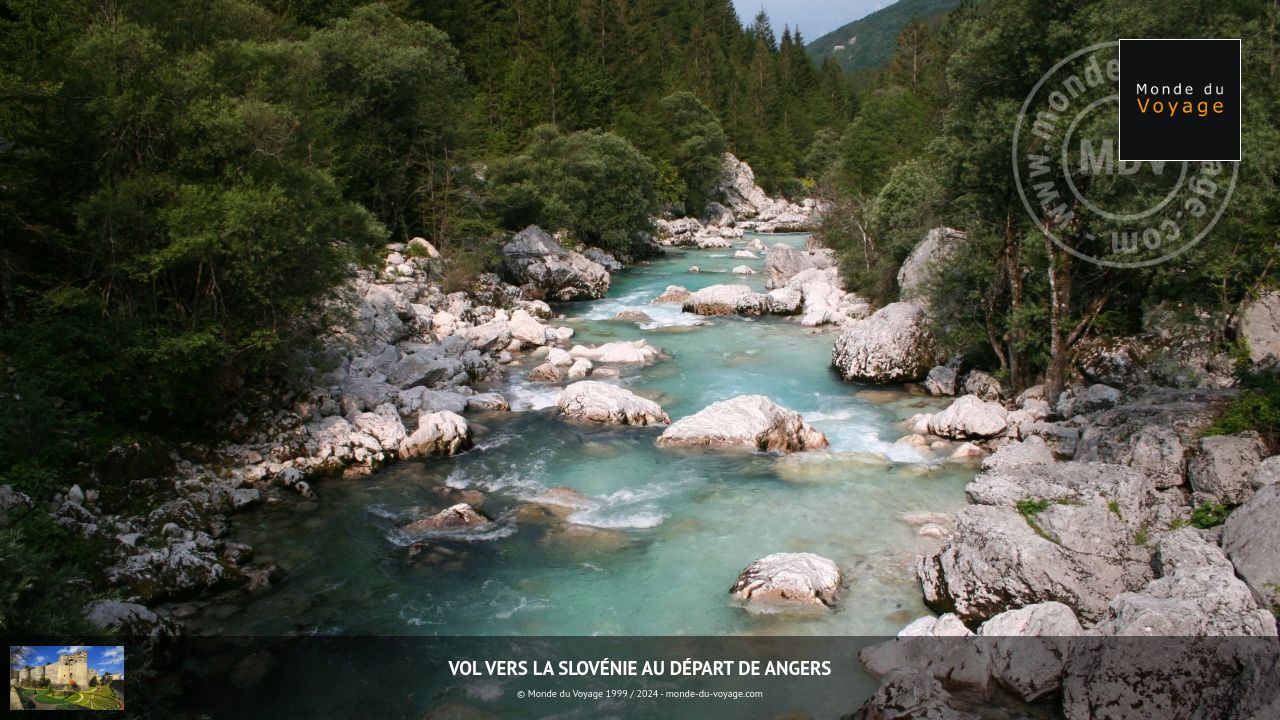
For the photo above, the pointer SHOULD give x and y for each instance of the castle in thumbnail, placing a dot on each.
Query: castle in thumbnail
(68, 670)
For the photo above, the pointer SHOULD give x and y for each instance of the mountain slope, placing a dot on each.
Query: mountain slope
(868, 42)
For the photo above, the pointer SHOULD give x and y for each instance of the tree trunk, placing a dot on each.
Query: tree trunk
(1059, 312)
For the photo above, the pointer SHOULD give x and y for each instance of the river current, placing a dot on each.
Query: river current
(665, 531)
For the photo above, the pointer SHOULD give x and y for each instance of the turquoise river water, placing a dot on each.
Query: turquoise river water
(667, 531)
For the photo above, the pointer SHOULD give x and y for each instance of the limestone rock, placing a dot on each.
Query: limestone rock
(783, 580)
(969, 417)
(909, 694)
(984, 386)
(1221, 468)
(748, 421)
(893, 345)
(605, 403)
(785, 301)
(546, 372)
(1082, 401)
(673, 294)
(941, 381)
(1196, 594)
(1032, 451)
(1260, 326)
(783, 262)
(129, 620)
(727, 300)
(457, 517)
(635, 352)
(743, 270)
(633, 315)
(438, 433)
(1251, 539)
(580, 368)
(533, 257)
(914, 275)
(995, 561)
(384, 425)
(1041, 619)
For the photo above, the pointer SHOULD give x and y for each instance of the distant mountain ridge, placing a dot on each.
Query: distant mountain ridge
(868, 42)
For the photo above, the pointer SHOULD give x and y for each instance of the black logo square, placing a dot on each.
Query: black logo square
(1179, 100)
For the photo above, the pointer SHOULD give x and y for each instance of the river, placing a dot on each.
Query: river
(667, 530)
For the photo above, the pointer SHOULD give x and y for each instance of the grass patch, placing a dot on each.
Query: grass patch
(1029, 508)
(1141, 535)
(1032, 507)
(1114, 507)
(1210, 515)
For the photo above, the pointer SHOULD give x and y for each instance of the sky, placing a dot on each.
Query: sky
(814, 17)
(103, 658)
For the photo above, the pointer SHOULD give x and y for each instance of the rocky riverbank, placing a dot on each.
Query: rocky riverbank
(401, 372)
(1097, 516)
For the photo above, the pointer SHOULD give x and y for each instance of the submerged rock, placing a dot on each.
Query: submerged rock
(893, 345)
(633, 315)
(618, 353)
(748, 421)
(782, 580)
(458, 517)
(673, 294)
(605, 403)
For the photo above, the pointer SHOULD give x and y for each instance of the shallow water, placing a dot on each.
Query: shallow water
(665, 532)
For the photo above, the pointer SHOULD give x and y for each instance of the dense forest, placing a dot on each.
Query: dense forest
(930, 147)
(181, 183)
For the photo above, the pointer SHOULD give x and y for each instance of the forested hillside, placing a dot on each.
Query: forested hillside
(182, 183)
(866, 43)
(930, 147)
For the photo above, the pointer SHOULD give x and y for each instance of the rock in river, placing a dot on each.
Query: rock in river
(727, 300)
(458, 517)
(749, 421)
(782, 580)
(893, 345)
(605, 403)
(439, 433)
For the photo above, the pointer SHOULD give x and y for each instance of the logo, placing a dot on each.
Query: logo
(1082, 196)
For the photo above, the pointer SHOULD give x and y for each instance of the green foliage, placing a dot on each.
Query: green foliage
(594, 184)
(1256, 408)
(1033, 506)
(697, 148)
(1209, 515)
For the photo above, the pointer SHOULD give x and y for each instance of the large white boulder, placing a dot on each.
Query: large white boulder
(789, 580)
(438, 433)
(605, 403)
(748, 421)
(968, 417)
(727, 300)
(915, 273)
(618, 353)
(893, 345)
